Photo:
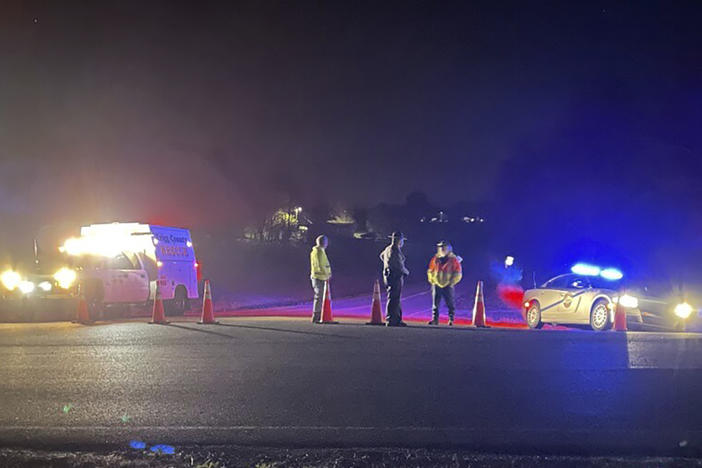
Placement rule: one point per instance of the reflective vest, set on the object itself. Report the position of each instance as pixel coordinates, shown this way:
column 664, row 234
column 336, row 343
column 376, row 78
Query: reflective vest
column 319, row 264
column 445, row 271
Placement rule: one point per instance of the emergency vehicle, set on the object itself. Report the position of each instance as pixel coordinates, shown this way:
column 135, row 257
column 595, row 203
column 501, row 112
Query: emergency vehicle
column 122, row 263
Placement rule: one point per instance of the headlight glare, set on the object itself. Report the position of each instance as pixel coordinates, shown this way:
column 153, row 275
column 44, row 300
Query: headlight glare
column 629, row 301
column 683, row 310
column 10, row 279
column 26, row 287
column 45, row 286
column 65, row 277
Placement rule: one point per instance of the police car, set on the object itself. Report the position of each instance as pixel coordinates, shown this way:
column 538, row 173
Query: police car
column 589, row 295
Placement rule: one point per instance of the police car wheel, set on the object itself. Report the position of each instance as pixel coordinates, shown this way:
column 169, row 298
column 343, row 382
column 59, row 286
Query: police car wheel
column 599, row 316
column 533, row 316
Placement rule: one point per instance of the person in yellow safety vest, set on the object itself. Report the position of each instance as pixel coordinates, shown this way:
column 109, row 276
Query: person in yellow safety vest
column 443, row 274
column 320, row 273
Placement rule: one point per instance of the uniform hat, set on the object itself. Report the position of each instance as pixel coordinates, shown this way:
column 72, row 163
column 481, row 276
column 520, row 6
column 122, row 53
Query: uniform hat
column 397, row 235
column 442, row 244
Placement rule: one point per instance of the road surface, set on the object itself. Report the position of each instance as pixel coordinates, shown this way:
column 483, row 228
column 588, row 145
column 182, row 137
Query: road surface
column 284, row 381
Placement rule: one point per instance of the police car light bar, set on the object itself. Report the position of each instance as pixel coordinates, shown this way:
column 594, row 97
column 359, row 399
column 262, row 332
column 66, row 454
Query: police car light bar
column 584, row 269
column 611, row 274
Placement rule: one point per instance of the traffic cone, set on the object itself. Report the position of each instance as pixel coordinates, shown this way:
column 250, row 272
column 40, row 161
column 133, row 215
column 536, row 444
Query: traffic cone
column 479, row 307
column 619, row 318
column 207, row 309
column 82, row 313
column 376, row 311
column 158, row 316
column 327, row 311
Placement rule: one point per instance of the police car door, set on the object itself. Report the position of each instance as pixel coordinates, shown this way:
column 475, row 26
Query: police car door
column 551, row 295
column 572, row 297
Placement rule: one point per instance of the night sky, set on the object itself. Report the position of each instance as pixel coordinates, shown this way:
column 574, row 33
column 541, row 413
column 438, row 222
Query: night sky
column 205, row 115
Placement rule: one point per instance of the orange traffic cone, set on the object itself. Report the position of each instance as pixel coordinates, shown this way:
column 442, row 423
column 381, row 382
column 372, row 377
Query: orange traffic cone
column 327, row 311
column 376, row 311
column 619, row 318
column 158, row 316
column 82, row 313
column 207, row 308
column 479, row 307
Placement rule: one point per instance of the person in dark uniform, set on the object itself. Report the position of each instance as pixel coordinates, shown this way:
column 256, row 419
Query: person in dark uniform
column 394, row 273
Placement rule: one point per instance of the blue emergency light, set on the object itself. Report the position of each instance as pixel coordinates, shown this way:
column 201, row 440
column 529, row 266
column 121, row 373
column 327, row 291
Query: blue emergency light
column 585, row 269
column 611, row 274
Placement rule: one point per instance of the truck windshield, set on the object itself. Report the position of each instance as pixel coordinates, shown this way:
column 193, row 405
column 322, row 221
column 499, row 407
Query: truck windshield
column 121, row 262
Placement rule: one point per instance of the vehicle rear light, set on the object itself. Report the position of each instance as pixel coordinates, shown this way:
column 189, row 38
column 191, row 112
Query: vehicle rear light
column 198, row 270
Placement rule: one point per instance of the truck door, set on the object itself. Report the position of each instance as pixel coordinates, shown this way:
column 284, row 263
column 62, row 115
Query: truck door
column 126, row 281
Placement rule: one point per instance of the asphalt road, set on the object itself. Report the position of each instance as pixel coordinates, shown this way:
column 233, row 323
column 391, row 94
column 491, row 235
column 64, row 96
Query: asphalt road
column 284, row 381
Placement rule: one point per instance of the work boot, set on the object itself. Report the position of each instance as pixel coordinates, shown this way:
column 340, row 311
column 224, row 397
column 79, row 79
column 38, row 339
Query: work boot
column 450, row 322
column 433, row 322
column 402, row 324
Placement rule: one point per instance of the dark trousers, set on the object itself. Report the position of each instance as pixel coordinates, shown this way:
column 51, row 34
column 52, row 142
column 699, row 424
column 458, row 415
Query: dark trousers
column 448, row 294
column 393, row 310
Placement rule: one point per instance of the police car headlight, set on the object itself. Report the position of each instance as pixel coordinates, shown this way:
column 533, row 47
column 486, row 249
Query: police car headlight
column 10, row 279
column 26, row 287
column 65, row 277
column 683, row 310
column 628, row 301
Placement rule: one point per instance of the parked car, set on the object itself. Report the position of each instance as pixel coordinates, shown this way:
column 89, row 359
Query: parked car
column 590, row 299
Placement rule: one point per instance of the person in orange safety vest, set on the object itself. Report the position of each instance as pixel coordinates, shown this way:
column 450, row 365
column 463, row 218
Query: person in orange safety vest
column 443, row 274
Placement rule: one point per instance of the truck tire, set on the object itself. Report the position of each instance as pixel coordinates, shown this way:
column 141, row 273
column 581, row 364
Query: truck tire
column 180, row 303
column 94, row 292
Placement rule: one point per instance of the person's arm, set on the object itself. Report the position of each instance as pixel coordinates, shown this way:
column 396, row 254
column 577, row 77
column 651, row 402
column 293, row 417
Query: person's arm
column 324, row 262
column 401, row 260
column 457, row 272
column 394, row 261
column 430, row 272
column 314, row 264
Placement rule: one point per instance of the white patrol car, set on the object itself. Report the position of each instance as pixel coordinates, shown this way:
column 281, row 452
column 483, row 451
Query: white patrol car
column 589, row 296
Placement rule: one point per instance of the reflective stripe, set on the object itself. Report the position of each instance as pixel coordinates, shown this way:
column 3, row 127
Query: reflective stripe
column 562, row 300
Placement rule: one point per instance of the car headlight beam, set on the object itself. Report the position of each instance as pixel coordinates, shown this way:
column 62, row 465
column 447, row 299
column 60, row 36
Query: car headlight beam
column 10, row 279
column 628, row 301
column 26, row 287
column 683, row 310
column 65, row 277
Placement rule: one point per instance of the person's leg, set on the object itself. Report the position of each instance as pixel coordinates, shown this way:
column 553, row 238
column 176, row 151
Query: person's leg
column 400, row 283
column 449, row 297
column 318, row 287
column 391, row 310
column 436, row 302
